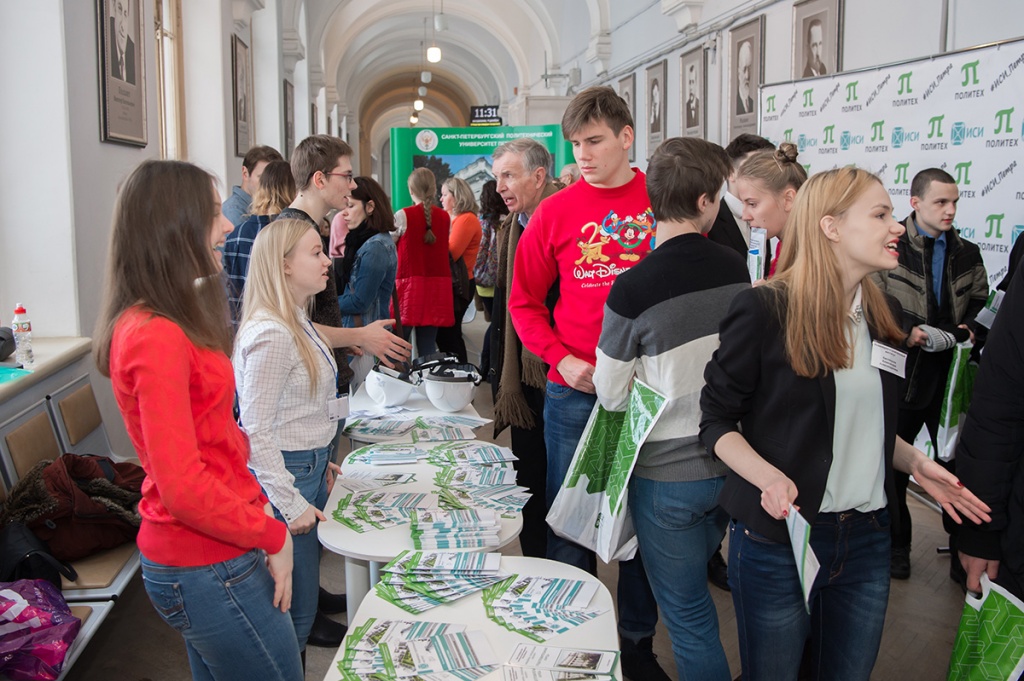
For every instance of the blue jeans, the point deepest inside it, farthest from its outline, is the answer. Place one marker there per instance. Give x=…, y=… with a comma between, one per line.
x=679, y=526
x=225, y=613
x=848, y=598
x=310, y=470
x=426, y=339
x=566, y=412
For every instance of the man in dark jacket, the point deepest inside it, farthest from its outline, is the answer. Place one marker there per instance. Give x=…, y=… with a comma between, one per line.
x=990, y=455
x=521, y=168
x=942, y=285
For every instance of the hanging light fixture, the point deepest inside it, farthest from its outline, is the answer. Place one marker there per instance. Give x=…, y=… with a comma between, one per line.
x=418, y=105
x=422, y=91
x=433, y=52
x=440, y=20
x=414, y=119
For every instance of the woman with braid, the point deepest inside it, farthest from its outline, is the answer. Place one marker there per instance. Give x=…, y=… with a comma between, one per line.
x=424, y=280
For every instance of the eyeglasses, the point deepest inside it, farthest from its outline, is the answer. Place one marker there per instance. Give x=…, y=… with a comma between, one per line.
x=348, y=176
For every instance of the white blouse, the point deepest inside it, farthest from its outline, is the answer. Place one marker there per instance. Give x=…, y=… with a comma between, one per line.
x=277, y=409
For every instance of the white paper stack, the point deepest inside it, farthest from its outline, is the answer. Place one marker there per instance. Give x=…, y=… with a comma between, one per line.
x=417, y=581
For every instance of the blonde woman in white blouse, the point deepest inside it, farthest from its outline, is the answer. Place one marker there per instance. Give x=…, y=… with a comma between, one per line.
x=287, y=382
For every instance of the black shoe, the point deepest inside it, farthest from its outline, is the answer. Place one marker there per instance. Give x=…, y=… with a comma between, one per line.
x=899, y=562
x=639, y=663
x=326, y=633
x=331, y=604
x=718, y=571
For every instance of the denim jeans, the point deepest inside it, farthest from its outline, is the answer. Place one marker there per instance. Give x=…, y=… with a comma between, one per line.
x=848, y=598
x=679, y=526
x=426, y=339
x=225, y=613
x=566, y=412
x=310, y=470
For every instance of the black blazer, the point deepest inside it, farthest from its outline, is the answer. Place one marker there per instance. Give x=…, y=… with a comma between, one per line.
x=726, y=232
x=787, y=419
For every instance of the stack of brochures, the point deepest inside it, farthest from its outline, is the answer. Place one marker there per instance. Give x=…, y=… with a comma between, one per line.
x=432, y=651
x=388, y=454
x=508, y=500
x=470, y=454
x=470, y=528
x=360, y=481
x=549, y=663
x=540, y=607
x=363, y=511
x=417, y=581
x=378, y=429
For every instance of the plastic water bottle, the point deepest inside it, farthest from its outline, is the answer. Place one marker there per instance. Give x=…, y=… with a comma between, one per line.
x=22, y=328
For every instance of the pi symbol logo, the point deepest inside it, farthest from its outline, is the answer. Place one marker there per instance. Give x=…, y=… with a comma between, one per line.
x=844, y=140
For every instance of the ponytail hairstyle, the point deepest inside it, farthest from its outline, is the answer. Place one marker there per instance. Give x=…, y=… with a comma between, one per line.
x=774, y=169
x=423, y=188
x=809, y=273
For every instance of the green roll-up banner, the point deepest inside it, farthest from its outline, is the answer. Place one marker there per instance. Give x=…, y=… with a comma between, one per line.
x=461, y=152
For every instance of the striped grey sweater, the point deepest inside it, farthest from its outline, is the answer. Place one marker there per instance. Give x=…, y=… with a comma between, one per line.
x=661, y=324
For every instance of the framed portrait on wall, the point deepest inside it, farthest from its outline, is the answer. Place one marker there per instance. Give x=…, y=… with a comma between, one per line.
x=746, y=73
x=817, y=36
x=122, y=71
x=289, y=119
x=627, y=90
x=241, y=88
x=657, y=105
x=693, y=71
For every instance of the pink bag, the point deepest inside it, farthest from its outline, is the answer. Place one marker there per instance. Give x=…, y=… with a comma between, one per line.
x=36, y=630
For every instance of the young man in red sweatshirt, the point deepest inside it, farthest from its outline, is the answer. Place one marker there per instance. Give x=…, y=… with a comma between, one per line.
x=580, y=240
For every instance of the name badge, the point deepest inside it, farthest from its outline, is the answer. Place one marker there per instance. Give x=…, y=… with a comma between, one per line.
x=888, y=358
x=337, y=408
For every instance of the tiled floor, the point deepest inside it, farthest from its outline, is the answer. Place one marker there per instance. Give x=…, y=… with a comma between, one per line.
x=135, y=645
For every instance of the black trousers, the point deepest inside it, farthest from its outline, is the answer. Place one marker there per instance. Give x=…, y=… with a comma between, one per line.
x=908, y=424
x=449, y=338
x=531, y=472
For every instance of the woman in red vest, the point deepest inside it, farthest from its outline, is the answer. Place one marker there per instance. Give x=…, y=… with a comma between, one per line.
x=424, y=280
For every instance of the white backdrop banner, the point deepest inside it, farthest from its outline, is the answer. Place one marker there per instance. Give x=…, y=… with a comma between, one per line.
x=962, y=112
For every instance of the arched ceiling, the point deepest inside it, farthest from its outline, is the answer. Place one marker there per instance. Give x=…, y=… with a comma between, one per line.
x=369, y=53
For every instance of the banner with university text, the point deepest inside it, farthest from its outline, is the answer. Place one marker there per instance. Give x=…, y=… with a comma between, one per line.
x=963, y=112
x=462, y=152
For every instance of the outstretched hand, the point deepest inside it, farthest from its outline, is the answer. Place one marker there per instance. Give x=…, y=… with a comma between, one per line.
x=949, y=492
x=378, y=340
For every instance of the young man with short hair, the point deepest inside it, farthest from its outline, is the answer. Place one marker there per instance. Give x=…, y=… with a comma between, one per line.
x=942, y=285
x=236, y=206
x=661, y=326
x=581, y=238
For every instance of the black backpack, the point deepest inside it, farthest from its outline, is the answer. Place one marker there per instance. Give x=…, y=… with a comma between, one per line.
x=23, y=555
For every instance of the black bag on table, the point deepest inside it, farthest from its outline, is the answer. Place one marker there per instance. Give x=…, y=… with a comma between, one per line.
x=23, y=555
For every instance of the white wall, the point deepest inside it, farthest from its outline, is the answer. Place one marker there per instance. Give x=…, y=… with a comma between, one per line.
x=37, y=238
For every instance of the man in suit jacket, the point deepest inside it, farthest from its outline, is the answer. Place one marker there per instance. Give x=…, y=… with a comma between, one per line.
x=692, y=101
x=813, y=48
x=122, y=47
x=744, y=62
x=729, y=228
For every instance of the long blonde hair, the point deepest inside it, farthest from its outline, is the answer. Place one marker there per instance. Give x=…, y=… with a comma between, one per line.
x=809, y=274
x=267, y=292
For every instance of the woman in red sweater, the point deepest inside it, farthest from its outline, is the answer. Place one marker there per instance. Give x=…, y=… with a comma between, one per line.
x=215, y=563
x=463, y=244
x=424, y=280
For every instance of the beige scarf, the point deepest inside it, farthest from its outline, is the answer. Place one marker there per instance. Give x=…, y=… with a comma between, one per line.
x=519, y=365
